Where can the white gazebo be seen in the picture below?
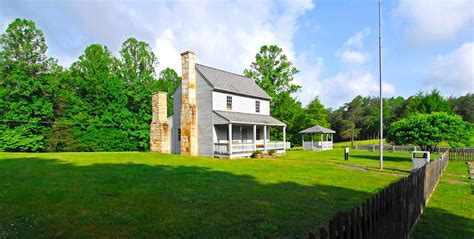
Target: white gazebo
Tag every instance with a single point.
(324, 135)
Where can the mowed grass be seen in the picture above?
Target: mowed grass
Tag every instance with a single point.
(397, 163)
(133, 194)
(356, 142)
(450, 211)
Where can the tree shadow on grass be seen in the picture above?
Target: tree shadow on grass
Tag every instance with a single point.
(385, 158)
(42, 197)
(439, 223)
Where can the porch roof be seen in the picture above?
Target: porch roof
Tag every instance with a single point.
(226, 117)
(318, 130)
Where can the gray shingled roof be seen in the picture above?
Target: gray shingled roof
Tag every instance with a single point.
(318, 130)
(230, 82)
(245, 118)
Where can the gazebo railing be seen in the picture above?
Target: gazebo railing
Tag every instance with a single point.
(317, 145)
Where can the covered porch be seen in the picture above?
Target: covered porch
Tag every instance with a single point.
(317, 138)
(239, 135)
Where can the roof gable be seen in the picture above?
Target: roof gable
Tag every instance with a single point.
(317, 129)
(231, 82)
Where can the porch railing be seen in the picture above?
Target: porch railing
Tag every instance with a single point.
(275, 145)
(223, 148)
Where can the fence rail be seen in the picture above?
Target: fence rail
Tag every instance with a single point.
(466, 153)
(461, 154)
(391, 213)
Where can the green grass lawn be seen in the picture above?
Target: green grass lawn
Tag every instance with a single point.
(133, 194)
(399, 163)
(450, 211)
(149, 194)
(356, 142)
(376, 141)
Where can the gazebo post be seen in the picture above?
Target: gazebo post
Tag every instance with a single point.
(312, 143)
(302, 140)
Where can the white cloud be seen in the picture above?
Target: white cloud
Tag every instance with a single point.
(164, 47)
(223, 34)
(357, 39)
(356, 57)
(309, 77)
(352, 52)
(453, 73)
(430, 21)
(355, 79)
(344, 86)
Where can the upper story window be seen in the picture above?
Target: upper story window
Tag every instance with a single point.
(229, 102)
(257, 106)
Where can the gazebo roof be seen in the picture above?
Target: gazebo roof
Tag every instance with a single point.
(317, 129)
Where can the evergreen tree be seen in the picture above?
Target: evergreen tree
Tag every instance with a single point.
(464, 106)
(316, 114)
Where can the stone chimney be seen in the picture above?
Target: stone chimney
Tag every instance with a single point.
(159, 127)
(189, 121)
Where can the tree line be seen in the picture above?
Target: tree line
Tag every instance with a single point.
(100, 103)
(360, 118)
(103, 103)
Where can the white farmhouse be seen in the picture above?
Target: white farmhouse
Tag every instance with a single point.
(216, 113)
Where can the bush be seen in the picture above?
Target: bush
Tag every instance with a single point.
(272, 151)
(257, 151)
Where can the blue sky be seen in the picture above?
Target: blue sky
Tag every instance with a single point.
(427, 43)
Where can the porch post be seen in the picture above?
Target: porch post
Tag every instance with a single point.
(241, 137)
(254, 137)
(265, 138)
(284, 138)
(230, 139)
(312, 140)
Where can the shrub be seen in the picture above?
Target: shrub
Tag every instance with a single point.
(272, 151)
(257, 151)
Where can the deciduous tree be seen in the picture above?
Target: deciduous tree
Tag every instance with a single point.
(428, 130)
(26, 76)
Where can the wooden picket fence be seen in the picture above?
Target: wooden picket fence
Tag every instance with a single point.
(391, 213)
(461, 154)
(457, 154)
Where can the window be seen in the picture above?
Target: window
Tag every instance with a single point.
(229, 102)
(258, 137)
(179, 134)
(257, 106)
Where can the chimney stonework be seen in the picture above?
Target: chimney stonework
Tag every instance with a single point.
(189, 130)
(159, 127)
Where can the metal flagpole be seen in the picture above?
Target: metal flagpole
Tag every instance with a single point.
(380, 82)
